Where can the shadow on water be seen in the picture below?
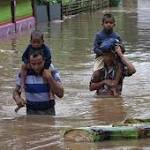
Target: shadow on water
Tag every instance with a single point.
(71, 43)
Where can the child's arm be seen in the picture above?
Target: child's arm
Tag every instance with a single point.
(97, 43)
(25, 56)
(47, 55)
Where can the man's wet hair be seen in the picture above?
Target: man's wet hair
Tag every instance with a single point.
(36, 53)
(108, 16)
(37, 34)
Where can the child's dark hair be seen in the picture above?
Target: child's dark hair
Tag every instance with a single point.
(37, 34)
(108, 16)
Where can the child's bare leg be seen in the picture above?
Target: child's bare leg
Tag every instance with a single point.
(98, 63)
(46, 78)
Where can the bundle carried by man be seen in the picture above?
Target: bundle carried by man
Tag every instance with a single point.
(109, 45)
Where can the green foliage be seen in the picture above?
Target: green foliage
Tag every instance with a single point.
(114, 3)
(23, 9)
(5, 14)
(44, 2)
(66, 1)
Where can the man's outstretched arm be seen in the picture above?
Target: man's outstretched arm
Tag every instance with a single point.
(96, 83)
(125, 61)
(17, 97)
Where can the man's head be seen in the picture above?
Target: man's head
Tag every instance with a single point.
(108, 22)
(37, 39)
(109, 58)
(36, 60)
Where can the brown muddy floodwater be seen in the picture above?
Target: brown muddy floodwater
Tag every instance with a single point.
(71, 42)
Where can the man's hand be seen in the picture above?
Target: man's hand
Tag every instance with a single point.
(20, 101)
(111, 83)
(114, 92)
(17, 97)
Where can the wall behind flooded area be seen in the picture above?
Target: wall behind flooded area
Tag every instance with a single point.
(15, 16)
(75, 7)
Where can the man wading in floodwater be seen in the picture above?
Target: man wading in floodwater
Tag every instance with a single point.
(37, 86)
(109, 79)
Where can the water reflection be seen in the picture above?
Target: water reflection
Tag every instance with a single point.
(110, 145)
(108, 110)
(28, 132)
